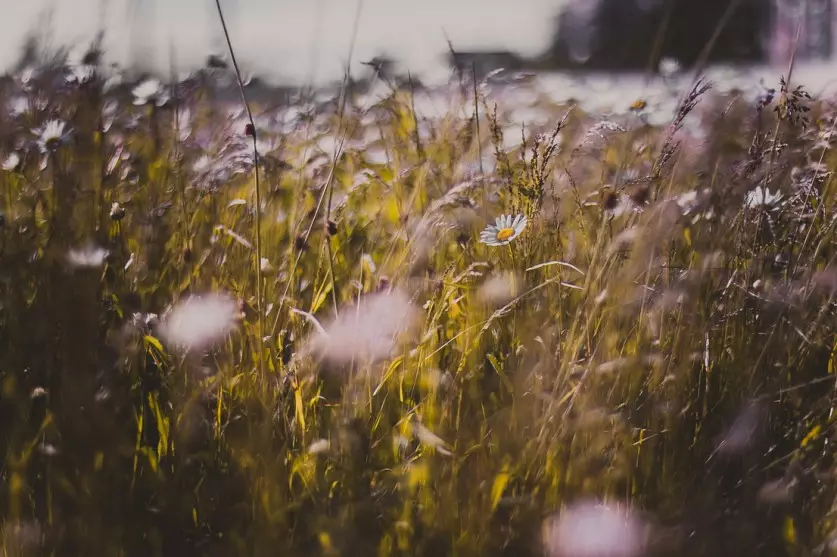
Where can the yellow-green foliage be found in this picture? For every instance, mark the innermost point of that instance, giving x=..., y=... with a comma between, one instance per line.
x=609, y=351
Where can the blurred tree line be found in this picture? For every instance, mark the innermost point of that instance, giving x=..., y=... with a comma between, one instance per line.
x=636, y=34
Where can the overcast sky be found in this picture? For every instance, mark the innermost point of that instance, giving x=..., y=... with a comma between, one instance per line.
x=280, y=37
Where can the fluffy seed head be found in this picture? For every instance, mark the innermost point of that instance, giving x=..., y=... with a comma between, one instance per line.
x=199, y=321
x=87, y=257
x=367, y=331
x=593, y=529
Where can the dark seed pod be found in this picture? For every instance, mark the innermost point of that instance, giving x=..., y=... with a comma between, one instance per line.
x=384, y=284
x=611, y=201
x=216, y=62
x=331, y=227
x=640, y=196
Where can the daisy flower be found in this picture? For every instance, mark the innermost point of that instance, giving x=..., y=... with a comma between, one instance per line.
x=762, y=197
x=12, y=162
x=51, y=135
x=639, y=105
x=505, y=229
x=81, y=73
x=81, y=65
x=27, y=75
x=150, y=91
x=18, y=106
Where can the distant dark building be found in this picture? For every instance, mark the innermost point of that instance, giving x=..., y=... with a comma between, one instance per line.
x=636, y=34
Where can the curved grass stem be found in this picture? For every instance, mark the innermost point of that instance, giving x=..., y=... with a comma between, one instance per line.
x=256, y=185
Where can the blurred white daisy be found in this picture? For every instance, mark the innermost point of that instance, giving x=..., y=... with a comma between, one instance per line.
x=12, y=162
x=114, y=79
x=266, y=266
x=81, y=73
x=505, y=229
x=500, y=288
x=365, y=332
x=761, y=197
x=319, y=446
x=668, y=67
x=51, y=135
x=27, y=75
x=184, y=123
x=18, y=106
x=150, y=91
x=109, y=112
x=87, y=257
x=199, y=321
x=594, y=529
x=202, y=164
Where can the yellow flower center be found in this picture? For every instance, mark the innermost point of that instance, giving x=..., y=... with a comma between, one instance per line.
x=504, y=234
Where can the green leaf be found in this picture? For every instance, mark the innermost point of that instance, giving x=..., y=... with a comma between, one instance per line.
x=153, y=341
x=501, y=480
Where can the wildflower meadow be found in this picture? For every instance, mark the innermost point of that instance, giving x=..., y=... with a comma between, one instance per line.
x=400, y=320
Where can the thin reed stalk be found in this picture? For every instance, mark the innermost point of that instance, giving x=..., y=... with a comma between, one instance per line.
x=256, y=185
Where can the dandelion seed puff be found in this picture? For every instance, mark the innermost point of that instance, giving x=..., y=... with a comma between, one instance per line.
x=49, y=450
x=825, y=280
x=777, y=492
x=430, y=439
x=319, y=446
x=614, y=365
x=668, y=67
x=200, y=321
x=743, y=431
x=687, y=201
x=500, y=288
x=87, y=257
x=594, y=529
x=368, y=331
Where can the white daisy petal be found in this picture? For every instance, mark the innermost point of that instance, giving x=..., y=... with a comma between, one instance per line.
x=51, y=135
x=505, y=229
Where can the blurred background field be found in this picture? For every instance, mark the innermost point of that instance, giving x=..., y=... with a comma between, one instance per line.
x=301, y=325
